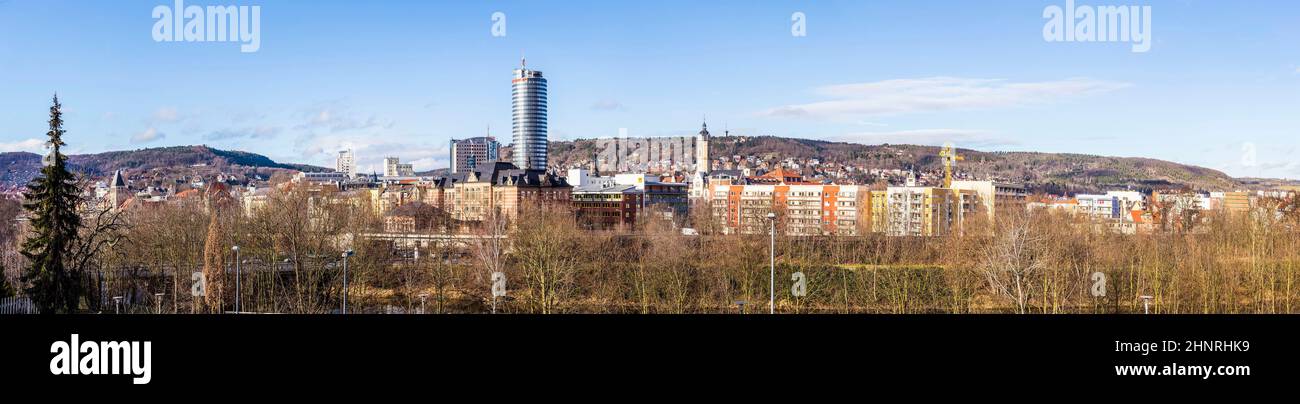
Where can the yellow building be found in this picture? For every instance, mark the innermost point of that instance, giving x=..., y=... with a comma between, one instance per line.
x=927, y=211
x=879, y=211
x=1236, y=202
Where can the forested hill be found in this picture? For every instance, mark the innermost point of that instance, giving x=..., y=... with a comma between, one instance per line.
x=21, y=167
x=1044, y=171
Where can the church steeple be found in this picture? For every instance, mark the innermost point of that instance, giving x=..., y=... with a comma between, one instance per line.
x=702, y=149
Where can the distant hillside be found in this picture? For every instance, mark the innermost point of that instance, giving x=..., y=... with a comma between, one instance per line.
x=434, y=172
x=1046, y=172
x=20, y=167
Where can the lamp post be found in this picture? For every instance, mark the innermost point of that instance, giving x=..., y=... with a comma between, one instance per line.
x=771, y=248
x=157, y=298
x=237, y=272
x=346, y=254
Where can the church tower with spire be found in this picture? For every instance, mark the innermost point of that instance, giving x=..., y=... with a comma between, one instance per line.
x=700, y=181
x=117, y=191
x=702, y=149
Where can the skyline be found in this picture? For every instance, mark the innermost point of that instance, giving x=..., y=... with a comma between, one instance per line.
x=403, y=80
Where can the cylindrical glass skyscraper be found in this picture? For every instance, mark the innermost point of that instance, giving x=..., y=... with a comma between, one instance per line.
x=529, y=119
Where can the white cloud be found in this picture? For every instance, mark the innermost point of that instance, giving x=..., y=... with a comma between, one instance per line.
x=371, y=150
x=929, y=137
x=255, y=132
x=936, y=94
x=167, y=114
x=337, y=116
x=26, y=145
x=147, y=136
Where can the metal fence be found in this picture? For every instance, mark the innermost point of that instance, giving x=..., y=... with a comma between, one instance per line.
x=17, y=305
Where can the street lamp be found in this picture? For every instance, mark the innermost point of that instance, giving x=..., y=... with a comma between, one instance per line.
x=157, y=297
x=346, y=254
x=237, y=272
x=1146, y=304
x=771, y=248
x=422, y=297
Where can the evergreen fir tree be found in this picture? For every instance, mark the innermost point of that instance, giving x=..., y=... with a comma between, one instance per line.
x=5, y=289
x=51, y=202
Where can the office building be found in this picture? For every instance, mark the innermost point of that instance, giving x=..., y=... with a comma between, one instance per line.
x=528, y=108
x=605, y=202
x=468, y=154
x=501, y=188
x=346, y=163
x=393, y=167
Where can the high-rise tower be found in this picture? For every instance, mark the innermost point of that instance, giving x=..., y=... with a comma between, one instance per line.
x=346, y=163
x=529, y=118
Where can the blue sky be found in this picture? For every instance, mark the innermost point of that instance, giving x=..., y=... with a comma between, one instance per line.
x=401, y=78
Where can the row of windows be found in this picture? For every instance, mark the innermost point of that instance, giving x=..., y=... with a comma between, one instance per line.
x=604, y=214
x=598, y=197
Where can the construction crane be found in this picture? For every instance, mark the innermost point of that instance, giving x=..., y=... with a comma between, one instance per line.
x=950, y=159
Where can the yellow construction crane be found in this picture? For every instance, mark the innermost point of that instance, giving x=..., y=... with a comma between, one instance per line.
x=950, y=159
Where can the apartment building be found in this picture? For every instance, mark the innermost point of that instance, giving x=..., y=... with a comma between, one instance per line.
x=1122, y=211
x=1111, y=205
x=879, y=209
x=801, y=209
x=996, y=197
x=1231, y=202
x=927, y=211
